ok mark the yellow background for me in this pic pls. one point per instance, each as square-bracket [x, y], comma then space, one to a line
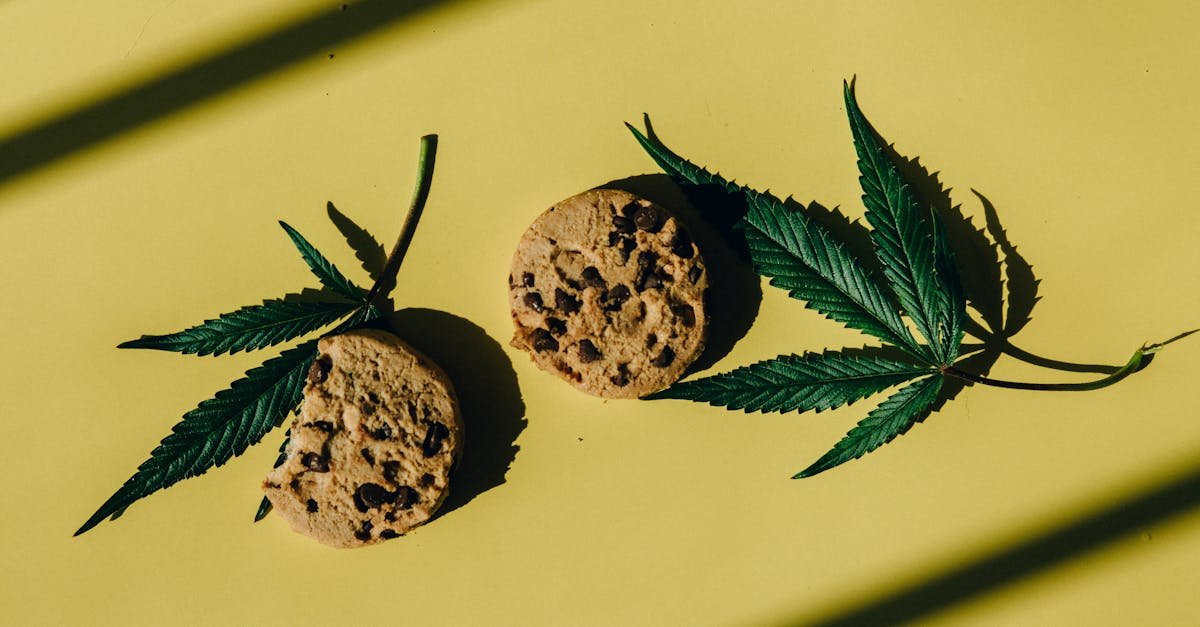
[1078, 120]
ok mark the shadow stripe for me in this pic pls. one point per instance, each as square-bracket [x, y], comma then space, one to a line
[36, 147]
[1025, 559]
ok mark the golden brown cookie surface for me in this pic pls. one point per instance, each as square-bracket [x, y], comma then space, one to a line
[370, 454]
[607, 292]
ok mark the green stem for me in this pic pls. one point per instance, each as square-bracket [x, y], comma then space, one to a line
[420, 194]
[1139, 359]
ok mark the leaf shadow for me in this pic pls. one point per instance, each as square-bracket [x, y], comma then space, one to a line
[710, 213]
[483, 376]
[998, 282]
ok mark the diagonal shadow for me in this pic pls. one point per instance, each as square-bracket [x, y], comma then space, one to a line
[169, 93]
[1007, 566]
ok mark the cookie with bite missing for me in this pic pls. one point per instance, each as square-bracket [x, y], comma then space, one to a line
[370, 454]
[607, 292]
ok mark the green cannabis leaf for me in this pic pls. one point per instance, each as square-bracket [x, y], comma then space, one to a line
[326, 272]
[893, 417]
[797, 383]
[238, 417]
[921, 283]
[249, 328]
[906, 238]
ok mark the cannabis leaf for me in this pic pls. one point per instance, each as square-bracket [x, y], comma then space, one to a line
[224, 426]
[325, 271]
[218, 428]
[893, 417]
[681, 170]
[249, 328]
[799, 255]
[909, 240]
[797, 383]
[804, 259]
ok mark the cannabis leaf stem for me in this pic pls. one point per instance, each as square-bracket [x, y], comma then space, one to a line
[1141, 357]
[425, 161]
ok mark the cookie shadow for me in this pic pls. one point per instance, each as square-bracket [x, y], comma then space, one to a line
[734, 291]
[492, 409]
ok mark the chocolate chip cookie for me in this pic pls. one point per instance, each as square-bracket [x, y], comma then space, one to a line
[371, 451]
[607, 292]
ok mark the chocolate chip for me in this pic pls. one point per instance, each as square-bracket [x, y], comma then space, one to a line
[527, 279]
[630, 209]
[664, 358]
[312, 506]
[373, 397]
[623, 224]
[682, 245]
[295, 485]
[364, 532]
[556, 326]
[319, 370]
[694, 274]
[627, 246]
[616, 298]
[613, 238]
[366, 454]
[321, 425]
[650, 282]
[388, 534]
[427, 479]
[592, 278]
[434, 436]
[533, 300]
[543, 341]
[372, 495]
[384, 432]
[645, 262]
[390, 517]
[651, 340]
[647, 278]
[565, 302]
[366, 408]
[588, 351]
[685, 313]
[648, 219]
[621, 379]
[406, 497]
[315, 462]
[391, 468]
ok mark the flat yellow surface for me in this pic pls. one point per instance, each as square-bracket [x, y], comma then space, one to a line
[1076, 120]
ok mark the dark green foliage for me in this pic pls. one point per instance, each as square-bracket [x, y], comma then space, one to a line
[801, 256]
[325, 271]
[909, 241]
[249, 328]
[239, 416]
[218, 429]
[812, 266]
[893, 417]
[797, 383]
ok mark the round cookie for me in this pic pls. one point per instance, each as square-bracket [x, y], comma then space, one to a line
[607, 292]
[370, 453]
